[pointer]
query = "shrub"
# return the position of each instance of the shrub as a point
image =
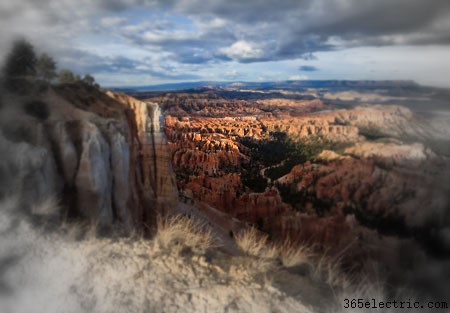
(260, 255)
(252, 242)
(265, 255)
(180, 232)
(66, 77)
(89, 80)
(295, 255)
(46, 67)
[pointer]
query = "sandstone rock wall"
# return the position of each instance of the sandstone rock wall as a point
(101, 155)
(158, 178)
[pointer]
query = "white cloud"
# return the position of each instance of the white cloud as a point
(242, 50)
(232, 74)
(208, 24)
(298, 77)
(111, 21)
(155, 36)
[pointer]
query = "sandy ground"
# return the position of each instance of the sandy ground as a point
(55, 272)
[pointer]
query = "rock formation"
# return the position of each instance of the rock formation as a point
(103, 155)
(159, 180)
(380, 179)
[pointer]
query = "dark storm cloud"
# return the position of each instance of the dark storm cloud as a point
(308, 68)
(248, 12)
(382, 17)
(186, 46)
(307, 26)
(327, 16)
(192, 56)
(301, 28)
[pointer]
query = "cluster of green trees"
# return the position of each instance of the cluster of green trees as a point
(24, 69)
(289, 152)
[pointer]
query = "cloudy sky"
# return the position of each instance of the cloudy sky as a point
(142, 42)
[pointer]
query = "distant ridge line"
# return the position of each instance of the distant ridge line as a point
(269, 84)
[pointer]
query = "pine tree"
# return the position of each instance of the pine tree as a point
(66, 77)
(20, 67)
(46, 68)
(89, 80)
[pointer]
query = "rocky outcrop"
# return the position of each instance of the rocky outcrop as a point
(393, 152)
(158, 178)
(227, 194)
(93, 179)
(103, 155)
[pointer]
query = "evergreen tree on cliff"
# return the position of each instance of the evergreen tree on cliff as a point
(19, 70)
(66, 77)
(46, 68)
(89, 80)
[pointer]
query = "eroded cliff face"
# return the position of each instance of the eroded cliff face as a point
(211, 158)
(154, 154)
(102, 155)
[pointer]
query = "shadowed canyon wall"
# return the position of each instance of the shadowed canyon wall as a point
(102, 156)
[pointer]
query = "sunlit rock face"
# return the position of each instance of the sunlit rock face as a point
(164, 182)
(155, 116)
(158, 177)
(93, 163)
(157, 166)
(102, 156)
(93, 180)
(162, 178)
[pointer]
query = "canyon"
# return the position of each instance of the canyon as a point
(358, 183)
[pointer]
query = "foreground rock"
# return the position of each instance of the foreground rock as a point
(101, 154)
(132, 275)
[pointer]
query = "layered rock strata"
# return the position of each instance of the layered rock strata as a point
(101, 155)
(380, 181)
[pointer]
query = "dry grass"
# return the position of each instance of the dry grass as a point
(265, 254)
(328, 270)
(76, 231)
(179, 232)
(252, 242)
(262, 256)
(295, 255)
